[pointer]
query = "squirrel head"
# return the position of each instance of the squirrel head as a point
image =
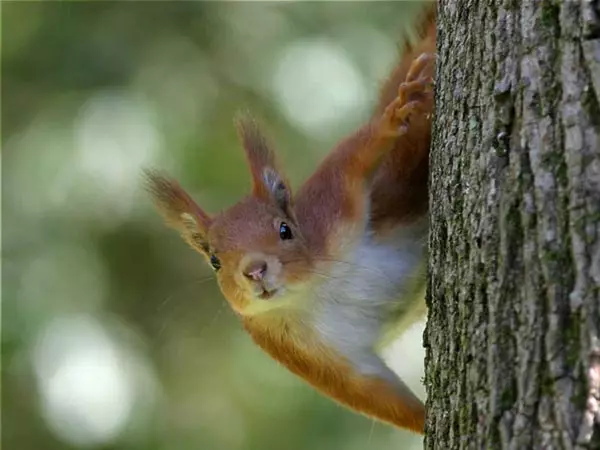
(256, 247)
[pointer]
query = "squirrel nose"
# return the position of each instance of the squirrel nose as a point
(255, 270)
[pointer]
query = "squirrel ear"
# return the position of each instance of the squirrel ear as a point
(277, 188)
(267, 181)
(179, 210)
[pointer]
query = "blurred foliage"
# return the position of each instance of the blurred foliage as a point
(114, 334)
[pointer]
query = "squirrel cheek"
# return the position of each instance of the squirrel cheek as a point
(232, 293)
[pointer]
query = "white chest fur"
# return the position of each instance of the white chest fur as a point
(371, 283)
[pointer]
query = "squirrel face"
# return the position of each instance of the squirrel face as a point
(258, 253)
(256, 247)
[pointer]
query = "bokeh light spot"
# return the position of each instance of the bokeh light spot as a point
(87, 393)
(317, 86)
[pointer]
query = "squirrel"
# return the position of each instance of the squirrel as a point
(319, 277)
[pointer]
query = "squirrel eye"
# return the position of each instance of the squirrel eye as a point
(215, 263)
(285, 232)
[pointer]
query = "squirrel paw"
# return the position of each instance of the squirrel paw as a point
(419, 85)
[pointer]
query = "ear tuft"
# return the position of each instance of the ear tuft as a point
(267, 180)
(177, 208)
(254, 142)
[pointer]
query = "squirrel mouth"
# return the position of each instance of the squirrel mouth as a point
(266, 295)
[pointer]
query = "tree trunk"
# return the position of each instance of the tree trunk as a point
(513, 334)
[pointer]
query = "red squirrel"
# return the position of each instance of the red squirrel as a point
(317, 278)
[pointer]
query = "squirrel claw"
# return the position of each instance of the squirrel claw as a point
(419, 66)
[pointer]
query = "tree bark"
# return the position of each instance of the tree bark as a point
(513, 333)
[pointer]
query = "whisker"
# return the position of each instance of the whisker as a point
(364, 267)
(378, 272)
(178, 291)
(371, 432)
(166, 301)
(330, 277)
(203, 331)
(351, 282)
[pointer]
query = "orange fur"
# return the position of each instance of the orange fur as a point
(334, 377)
(373, 182)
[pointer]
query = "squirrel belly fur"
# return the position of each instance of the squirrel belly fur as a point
(320, 276)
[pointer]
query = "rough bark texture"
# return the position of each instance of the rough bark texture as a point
(513, 349)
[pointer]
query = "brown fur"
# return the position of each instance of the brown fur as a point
(378, 164)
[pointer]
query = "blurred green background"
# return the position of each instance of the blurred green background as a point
(114, 334)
